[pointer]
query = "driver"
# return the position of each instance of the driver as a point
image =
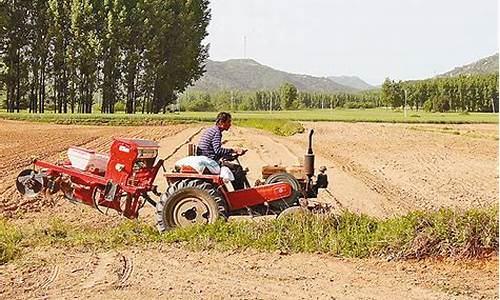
(210, 145)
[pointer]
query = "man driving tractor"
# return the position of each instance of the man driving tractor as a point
(210, 145)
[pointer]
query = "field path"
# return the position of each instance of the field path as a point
(172, 273)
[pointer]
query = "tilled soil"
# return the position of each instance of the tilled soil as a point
(172, 273)
(23, 141)
(387, 169)
(377, 169)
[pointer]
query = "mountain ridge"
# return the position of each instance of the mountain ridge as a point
(486, 65)
(352, 81)
(250, 75)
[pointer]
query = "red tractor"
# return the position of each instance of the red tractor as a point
(122, 181)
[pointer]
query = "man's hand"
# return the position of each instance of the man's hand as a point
(240, 151)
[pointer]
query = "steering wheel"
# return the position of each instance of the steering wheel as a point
(234, 156)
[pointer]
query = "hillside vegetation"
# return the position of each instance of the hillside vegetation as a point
(249, 75)
(487, 65)
(352, 81)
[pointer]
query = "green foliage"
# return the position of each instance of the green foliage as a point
(477, 93)
(440, 103)
(428, 105)
(119, 106)
(272, 100)
(288, 96)
(352, 104)
(10, 237)
(200, 103)
(278, 127)
(62, 53)
(392, 93)
(443, 233)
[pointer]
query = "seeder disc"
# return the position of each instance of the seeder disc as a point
(30, 182)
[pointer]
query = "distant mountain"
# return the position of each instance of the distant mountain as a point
(486, 65)
(352, 81)
(249, 75)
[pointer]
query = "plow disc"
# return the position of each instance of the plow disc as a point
(30, 182)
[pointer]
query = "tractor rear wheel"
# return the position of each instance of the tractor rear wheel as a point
(293, 200)
(189, 202)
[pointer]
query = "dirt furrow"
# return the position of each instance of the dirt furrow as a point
(170, 272)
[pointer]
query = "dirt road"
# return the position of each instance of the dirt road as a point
(378, 169)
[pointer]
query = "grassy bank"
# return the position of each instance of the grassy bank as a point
(278, 127)
(335, 115)
(275, 126)
(443, 233)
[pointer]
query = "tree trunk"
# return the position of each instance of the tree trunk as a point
(42, 90)
(18, 80)
(55, 94)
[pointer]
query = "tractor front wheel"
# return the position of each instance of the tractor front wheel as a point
(189, 202)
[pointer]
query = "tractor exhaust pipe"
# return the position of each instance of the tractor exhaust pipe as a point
(309, 158)
(309, 166)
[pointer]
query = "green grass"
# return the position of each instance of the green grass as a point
(337, 115)
(374, 115)
(444, 233)
(10, 237)
(278, 127)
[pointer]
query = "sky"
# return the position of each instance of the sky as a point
(400, 39)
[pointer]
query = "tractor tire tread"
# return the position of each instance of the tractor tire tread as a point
(178, 186)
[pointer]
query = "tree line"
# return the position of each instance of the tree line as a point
(286, 97)
(67, 55)
(474, 93)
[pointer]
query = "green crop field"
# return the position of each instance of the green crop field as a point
(336, 115)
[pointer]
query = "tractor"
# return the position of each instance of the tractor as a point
(124, 179)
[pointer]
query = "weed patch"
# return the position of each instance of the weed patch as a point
(10, 237)
(444, 233)
(278, 127)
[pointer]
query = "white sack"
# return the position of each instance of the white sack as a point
(199, 163)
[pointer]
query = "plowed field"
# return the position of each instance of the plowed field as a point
(22, 141)
(377, 169)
